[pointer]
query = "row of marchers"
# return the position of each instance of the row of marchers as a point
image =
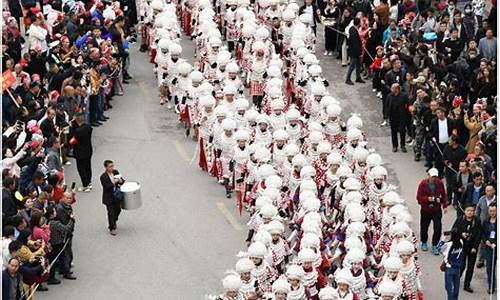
(324, 222)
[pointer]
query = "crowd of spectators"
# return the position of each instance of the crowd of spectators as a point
(62, 65)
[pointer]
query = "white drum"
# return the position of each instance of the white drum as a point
(131, 195)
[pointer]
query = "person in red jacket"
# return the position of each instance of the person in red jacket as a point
(431, 196)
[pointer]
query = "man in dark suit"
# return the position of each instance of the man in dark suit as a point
(80, 136)
(397, 103)
(354, 52)
(441, 130)
(110, 181)
(12, 281)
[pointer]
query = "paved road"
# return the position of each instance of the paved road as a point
(186, 234)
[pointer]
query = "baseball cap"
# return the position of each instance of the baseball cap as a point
(433, 172)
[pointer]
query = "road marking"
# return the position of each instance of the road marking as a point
(182, 152)
(229, 217)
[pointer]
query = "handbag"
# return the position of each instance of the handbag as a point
(442, 267)
(118, 195)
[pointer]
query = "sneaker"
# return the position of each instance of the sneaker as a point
(374, 90)
(379, 94)
(67, 163)
(394, 149)
(480, 265)
(424, 247)
(169, 106)
(53, 281)
(384, 123)
(112, 232)
(87, 190)
(330, 53)
(435, 250)
(325, 53)
(80, 189)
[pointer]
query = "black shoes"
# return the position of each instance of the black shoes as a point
(417, 157)
(360, 80)
(69, 277)
(53, 281)
(42, 288)
(403, 149)
(468, 289)
(395, 149)
(349, 82)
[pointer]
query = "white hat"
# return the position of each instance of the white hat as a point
(273, 71)
(242, 135)
(301, 51)
(196, 76)
(378, 172)
(164, 43)
(400, 228)
(318, 89)
(307, 172)
(304, 18)
(221, 111)
(315, 137)
(355, 215)
(232, 67)
(354, 134)
(404, 216)
(261, 201)
(333, 110)
(392, 264)
(397, 209)
(184, 68)
(229, 89)
(356, 229)
(405, 247)
(280, 135)
(334, 158)
(292, 114)
(281, 285)
(324, 147)
(206, 101)
(277, 104)
(263, 236)
(314, 126)
(268, 211)
(265, 170)
(343, 276)
(344, 171)
(288, 15)
(175, 49)
(388, 288)
(257, 250)
(310, 59)
(299, 160)
(291, 149)
(433, 172)
(274, 181)
(373, 159)
(251, 115)
(355, 255)
(215, 42)
(272, 193)
(206, 88)
(353, 242)
(274, 91)
(157, 4)
(310, 240)
(352, 184)
(231, 282)
(262, 33)
(244, 265)
(311, 204)
(352, 196)
(275, 227)
(391, 198)
(328, 293)
(308, 185)
(354, 122)
(263, 118)
(228, 124)
(314, 70)
(294, 272)
(360, 154)
(263, 154)
(306, 255)
(241, 103)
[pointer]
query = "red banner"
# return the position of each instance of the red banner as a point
(8, 80)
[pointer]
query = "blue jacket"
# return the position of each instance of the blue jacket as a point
(6, 285)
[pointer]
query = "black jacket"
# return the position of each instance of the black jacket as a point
(472, 228)
(454, 156)
(435, 128)
(107, 188)
(83, 135)
(9, 207)
(6, 285)
(467, 195)
(354, 43)
(397, 107)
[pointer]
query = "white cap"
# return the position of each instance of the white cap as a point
(352, 184)
(344, 171)
(280, 135)
(262, 33)
(292, 114)
(343, 276)
(355, 229)
(310, 59)
(281, 285)
(251, 115)
(299, 160)
(242, 135)
(274, 181)
(232, 67)
(400, 228)
(391, 198)
(360, 154)
(231, 282)
(433, 172)
(265, 170)
(228, 124)
(354, 122)
(196, 76)
(373, 159)
(244, 265)
(291, 149)
(277, 104)
(263, 155)
(175, 49)
(304, 18)
(354, 134)
(355, 255)
(215, 41)
(229, 89)
(307, 172)
(315, 137)
(405, 247)
(306, 255)
(353, 242)
(206, 101)
(164, 43)
(309, 240)
(257, 250)
(308, 185)
(294, 272)
(388, 288)
(261, 201)
(184, 68)
(324, 147)
(328, 293)
(263, 236)
(275, 227)
(318, 89)
(378, 172)
(268, 211)
(221, 111)
(262, 118)
(393, 264)
(333, 110)
(288, 15)
(273, 71)
(314, 70)
(241, 103)
(334, 158)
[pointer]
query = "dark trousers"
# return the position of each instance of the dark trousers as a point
(398, 127)
(114, 209)
(60, 263)
(84, 170)
(452, 283)
(93, 108)
(468, 266)
(438, 158)
(330, 39)
(491, 262)
(425, 221)
(355, 63)
(450, 177)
